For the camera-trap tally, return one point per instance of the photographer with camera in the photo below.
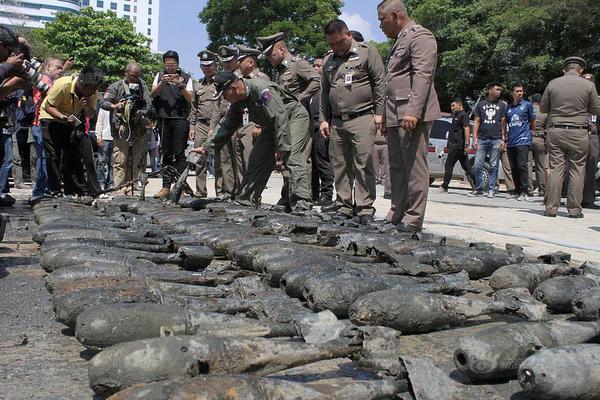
(69, 101)
(128, 101)
(172, 92)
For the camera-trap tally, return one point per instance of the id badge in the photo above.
(245, 118)
(348, 78)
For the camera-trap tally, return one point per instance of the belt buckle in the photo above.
(345, 117)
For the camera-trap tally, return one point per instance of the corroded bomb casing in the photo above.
(527, 275)
(293, 281)
(253, 388)
(562, 373)
(586, 304)
(336, 292)
(417, 312)
(497, 352)
(478, 263)
(558, 293)
(150, 360)
(103, 326)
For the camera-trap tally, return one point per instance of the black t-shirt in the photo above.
(490, 114)
(456, 136)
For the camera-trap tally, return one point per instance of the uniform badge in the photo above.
(265, 97)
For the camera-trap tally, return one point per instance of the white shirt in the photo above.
(103, 130)
(189, 86)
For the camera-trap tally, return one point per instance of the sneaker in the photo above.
(475, 193)
(6, 200)
(523, 197)
(324, 201)
(512, 196)
(162, 193)
(491, 194)
(442, 189)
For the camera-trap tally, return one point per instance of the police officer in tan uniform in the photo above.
(538, 147)
(244, 137)
(203, 108)
(297, 76)
(568, 101)
(226, 179)
(411, 106)
(352, 93)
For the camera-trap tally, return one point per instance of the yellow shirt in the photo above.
(62, 96)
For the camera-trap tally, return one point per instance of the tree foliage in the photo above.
(98, 38)
(242, 21)
(511, 41)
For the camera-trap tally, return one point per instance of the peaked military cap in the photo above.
(223, 80)
(227, 53)
(267, 42)
(207, 57)
(246, 51)
(575, 60)
(356, 35)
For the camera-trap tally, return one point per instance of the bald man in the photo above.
(128, 101)
(411, 106)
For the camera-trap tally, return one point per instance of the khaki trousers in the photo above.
(540, 159)
(351, 153)
(381, 166)
(122, 171)
(201, 134)
(567, 148)
(409, 173)
(225, 179)
(243, 147)
(507, 169)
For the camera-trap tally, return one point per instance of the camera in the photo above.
(32, 71)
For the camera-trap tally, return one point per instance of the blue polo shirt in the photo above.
(519, 128)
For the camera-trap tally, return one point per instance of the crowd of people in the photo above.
(348, 121)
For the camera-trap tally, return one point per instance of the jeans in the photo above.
(491, 148)
(40, 186)
(104, 170)
(519, 158)
(7, 161)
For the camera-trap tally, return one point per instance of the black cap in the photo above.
(207, 57)
(223, 80)
(575, 60)
(227, 53)
(246, 51)
(356, 35)
(267, 42)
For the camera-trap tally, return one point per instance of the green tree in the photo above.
(516, 41)
(99, 38)
(242, 21)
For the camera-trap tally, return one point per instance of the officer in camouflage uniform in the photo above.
(203, 108)
(299, 78)
(284, 120)
(226, 179)
(244, 137)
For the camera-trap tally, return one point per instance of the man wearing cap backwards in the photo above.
(244, 137)
(568, 101)
(298, 77)
(283, 119)
(352, 94)
(203, 107)
(227, 181)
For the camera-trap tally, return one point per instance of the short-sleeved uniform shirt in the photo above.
(456, 136)
(62, 96)
(518, 117)
(490, 114)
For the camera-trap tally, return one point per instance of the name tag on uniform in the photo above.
(348, 78)
(354, 58)
(245, 117)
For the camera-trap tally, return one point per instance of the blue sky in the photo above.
(181, 30)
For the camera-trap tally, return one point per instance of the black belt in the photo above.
(569, 127)
(347, 117)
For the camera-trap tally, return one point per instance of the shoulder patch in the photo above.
(265, 97)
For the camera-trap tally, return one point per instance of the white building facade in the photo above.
(35, 13)
(143, 13)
